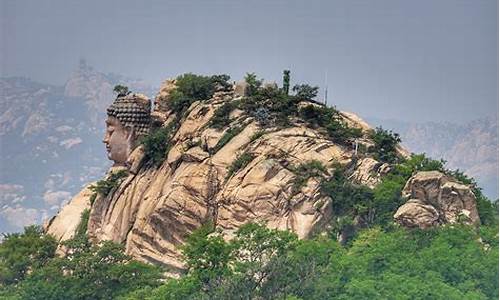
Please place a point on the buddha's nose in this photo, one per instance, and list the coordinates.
(106, 139)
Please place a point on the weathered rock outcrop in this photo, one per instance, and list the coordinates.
(435, 198)
(63, 227)
(154, 209)
(369, 171)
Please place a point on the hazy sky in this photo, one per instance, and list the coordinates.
(407, 60)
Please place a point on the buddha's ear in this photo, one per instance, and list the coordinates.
(130, 131)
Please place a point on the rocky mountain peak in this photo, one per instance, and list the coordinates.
(229, 154)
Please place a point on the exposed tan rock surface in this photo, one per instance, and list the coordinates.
(64, 225)
(436, 198)
(369, 172)
(154, 209)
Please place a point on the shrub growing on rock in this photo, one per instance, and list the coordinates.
(239, 163)
(386, 142)
(310, 169)
(228, 135)
(254, 84)
(221, 117)
(191, 87)
(104, 187)
(305, 91)
(157, 144)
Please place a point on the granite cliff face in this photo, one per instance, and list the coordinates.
(153, 209)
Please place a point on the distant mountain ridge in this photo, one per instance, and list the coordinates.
(471, 147)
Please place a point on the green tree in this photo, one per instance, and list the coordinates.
(88, 272)
(254, 84)
(385, 144)
(191, 88)
(207, 256)
(25, 252)
(305, 91)
(286, 81)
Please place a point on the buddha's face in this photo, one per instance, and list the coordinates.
(118, 140)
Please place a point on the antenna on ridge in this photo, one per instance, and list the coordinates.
(326, 88)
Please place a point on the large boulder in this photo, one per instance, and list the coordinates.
(435, 198)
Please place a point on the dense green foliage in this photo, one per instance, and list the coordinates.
(271, 106)
(20, 253)
(157, 144)
(385, 145)
(329, 119)
(254, 84)
(305, 91)
(450, 262)
(105, 186)
(31, 270)
(259, 263)
(191, 87)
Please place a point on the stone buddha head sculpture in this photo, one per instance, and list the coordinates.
(129, 118)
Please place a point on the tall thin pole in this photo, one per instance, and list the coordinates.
(326, 88)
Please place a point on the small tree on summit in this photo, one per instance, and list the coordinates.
(121, 90)
(286, 81)
(305, 91)
(254, 84)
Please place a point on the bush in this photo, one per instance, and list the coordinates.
(385, 145)
(81, 230)
(261, 263)
(417, 162)
(270, 106)
(157, 144)
(305, 91)
(105, 186)
(339, 132)
(228, 135)
(286, 81)
(387, 199)
(254, 84)
(239, 163)
(348, 201)
(257, 135)
(191, 87)
(449, 262)
(304, 171)
(221, 118)
(330, 119)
